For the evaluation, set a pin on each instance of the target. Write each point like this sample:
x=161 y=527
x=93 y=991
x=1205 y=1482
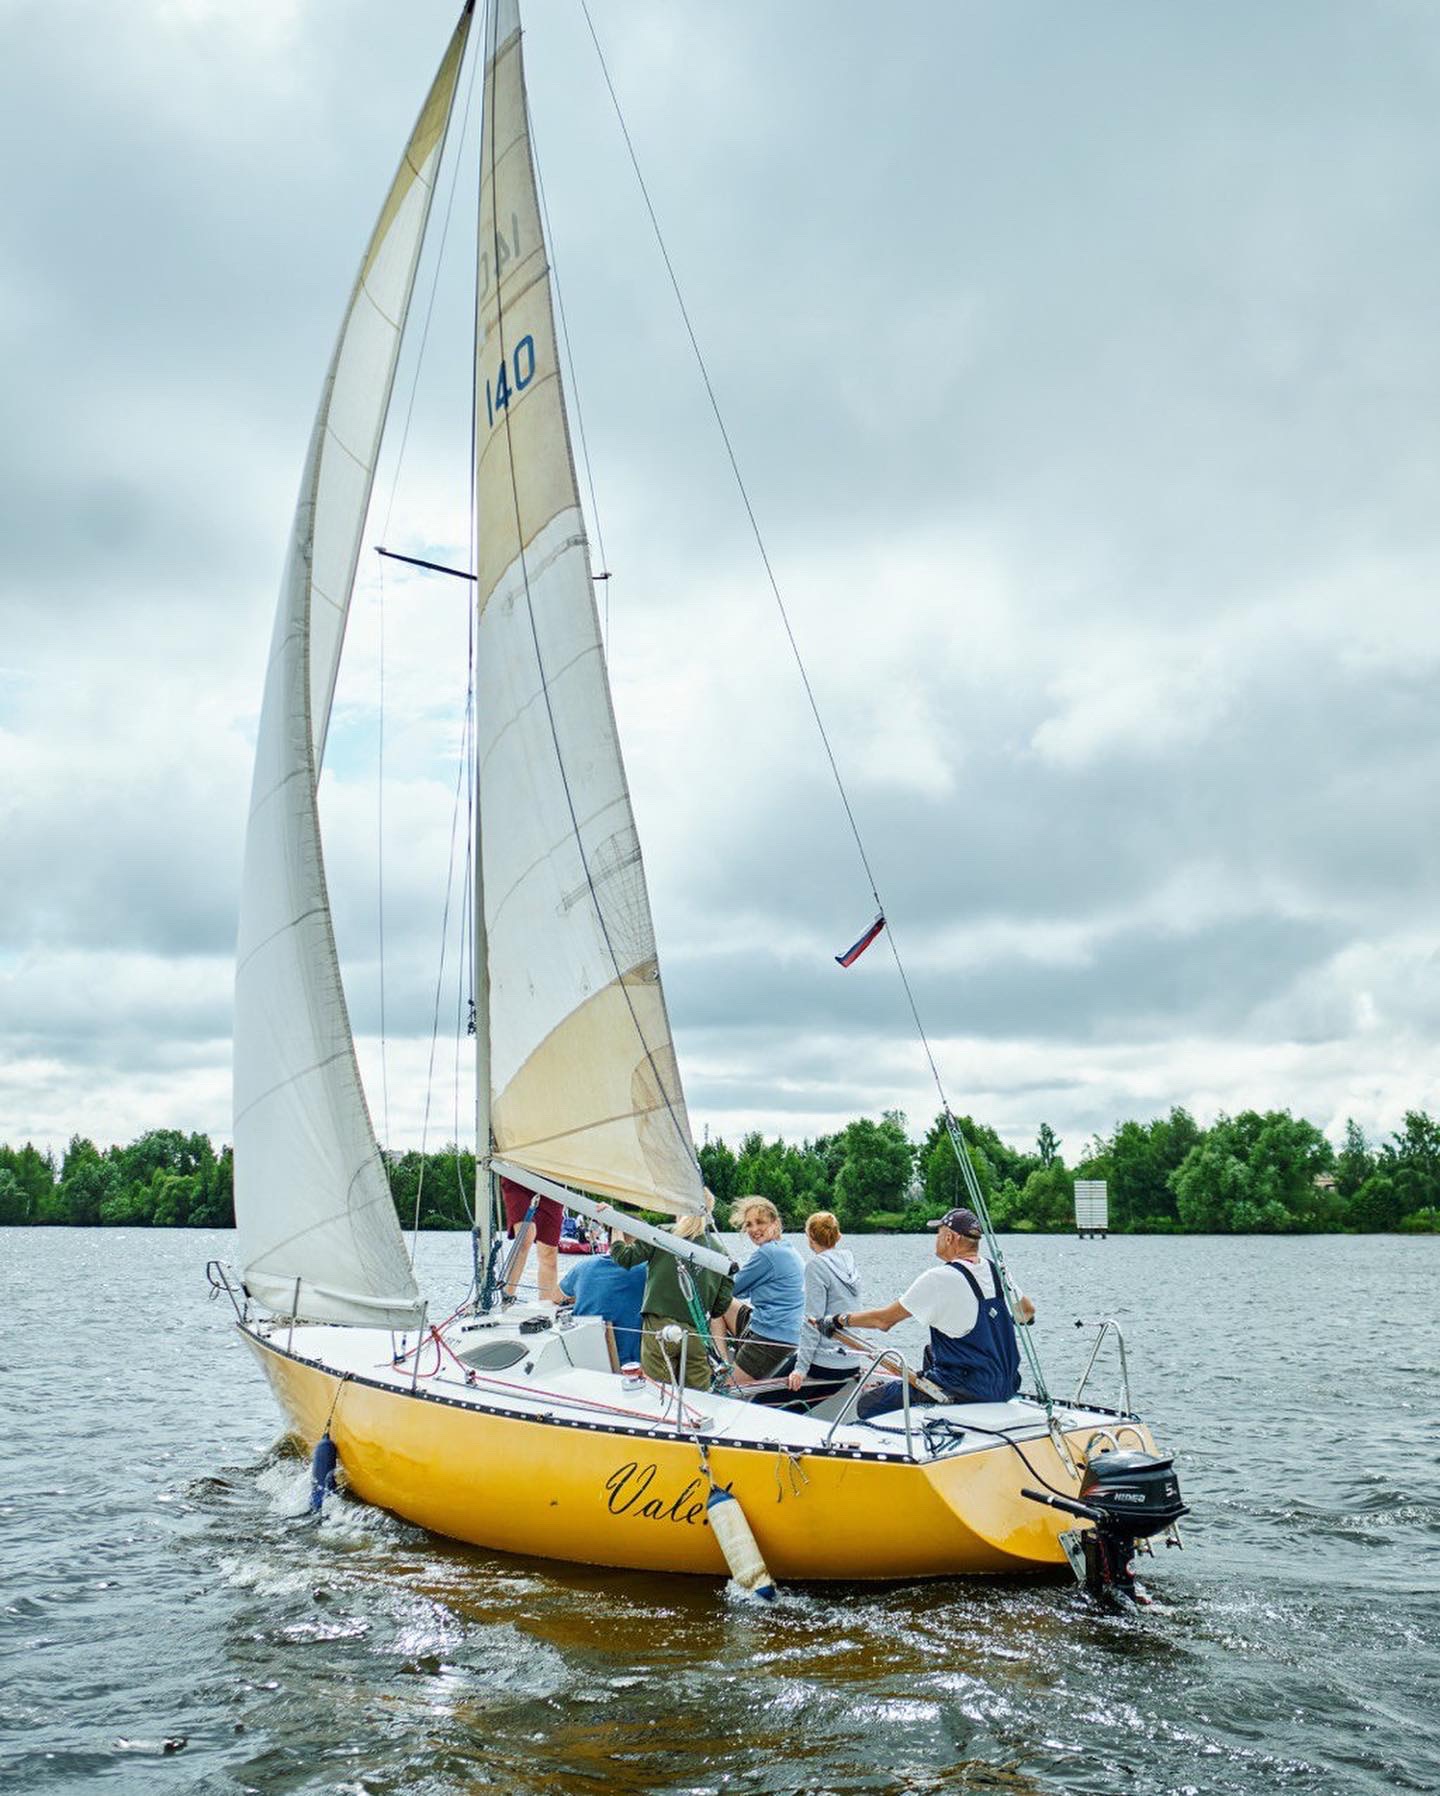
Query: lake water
x=158 y=1584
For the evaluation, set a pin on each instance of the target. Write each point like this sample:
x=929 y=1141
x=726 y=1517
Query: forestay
x=585 y=1087
x=312 y=1201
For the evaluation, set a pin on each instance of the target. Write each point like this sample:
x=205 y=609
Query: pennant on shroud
x=852 y=954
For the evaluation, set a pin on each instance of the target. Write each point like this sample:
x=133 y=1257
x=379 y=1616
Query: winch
x=1128 y=1497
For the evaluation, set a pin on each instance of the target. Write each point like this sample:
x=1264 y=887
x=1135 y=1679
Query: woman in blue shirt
x=770 y=1295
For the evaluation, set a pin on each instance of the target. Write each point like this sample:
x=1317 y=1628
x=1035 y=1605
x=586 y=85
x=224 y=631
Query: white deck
x=564 y=1374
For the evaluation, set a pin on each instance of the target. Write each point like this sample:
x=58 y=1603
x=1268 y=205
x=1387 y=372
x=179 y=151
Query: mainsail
x=585 y=1086
x=312 y=1201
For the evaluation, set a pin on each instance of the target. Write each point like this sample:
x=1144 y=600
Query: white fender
x=737 y=1543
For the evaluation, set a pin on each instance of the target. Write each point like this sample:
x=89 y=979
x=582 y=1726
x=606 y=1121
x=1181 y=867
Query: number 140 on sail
x=512 y=379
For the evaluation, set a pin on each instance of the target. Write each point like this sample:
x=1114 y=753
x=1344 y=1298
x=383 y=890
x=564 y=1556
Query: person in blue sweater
x=600 y=1287
x=770 y=1295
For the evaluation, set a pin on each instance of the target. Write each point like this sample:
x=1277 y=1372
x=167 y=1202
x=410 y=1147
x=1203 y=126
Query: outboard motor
x=1129 y=1497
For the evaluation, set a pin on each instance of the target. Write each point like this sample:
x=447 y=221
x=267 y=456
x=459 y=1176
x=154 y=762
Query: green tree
x=213 y=1206
x=1047 y=1147
x=1354 y=1164
x=812 y=1182
x=1046 y=1201
x=86 y=1180
x=763 y=1171
x=437 y=1188
x=943 y=1177
x=1377 y=1206
x=171 y=1195
x=161 y=1150
x=717 y=1169
x=994 y=1162
x=14 y=1204
x=34 y=1175
x=130 y=1206
x=1138 y=1160
x=1256 y=1173
x=447 y=1193
x=1413 y=1162
x=875 y=1170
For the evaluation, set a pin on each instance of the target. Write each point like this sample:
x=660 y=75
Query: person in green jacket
x=664 y=1302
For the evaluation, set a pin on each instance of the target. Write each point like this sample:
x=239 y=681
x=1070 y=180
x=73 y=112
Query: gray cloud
x=1083 y=371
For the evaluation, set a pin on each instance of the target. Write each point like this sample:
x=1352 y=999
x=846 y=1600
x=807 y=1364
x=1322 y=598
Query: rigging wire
x=570 y=365
x=460 y=781
x=957 y=1138
x=380 y=608
x=380 y=874
x=467 y=929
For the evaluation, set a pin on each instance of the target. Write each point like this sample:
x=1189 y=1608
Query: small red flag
x=852 y=954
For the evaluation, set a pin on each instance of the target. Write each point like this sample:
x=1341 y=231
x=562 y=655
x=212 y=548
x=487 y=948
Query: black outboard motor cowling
x=1137 y=1493
x=1129 y=1497
x=1132 y=1496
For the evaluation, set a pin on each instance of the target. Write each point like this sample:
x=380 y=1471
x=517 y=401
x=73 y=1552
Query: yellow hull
x=602 y=1495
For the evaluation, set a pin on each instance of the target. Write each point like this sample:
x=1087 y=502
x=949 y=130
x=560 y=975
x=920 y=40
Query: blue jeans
x=890 y=1396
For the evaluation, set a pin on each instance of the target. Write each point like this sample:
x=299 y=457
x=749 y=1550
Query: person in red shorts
x=544 y=1229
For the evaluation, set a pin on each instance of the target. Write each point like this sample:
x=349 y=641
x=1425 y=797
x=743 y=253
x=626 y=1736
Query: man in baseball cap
x=962 y=1222
x=973 y=1354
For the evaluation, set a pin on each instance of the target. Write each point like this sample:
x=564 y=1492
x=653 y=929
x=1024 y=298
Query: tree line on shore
x=1253 y=1173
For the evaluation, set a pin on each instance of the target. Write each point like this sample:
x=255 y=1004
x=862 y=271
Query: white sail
x=585 y=1087
x=312 y=1201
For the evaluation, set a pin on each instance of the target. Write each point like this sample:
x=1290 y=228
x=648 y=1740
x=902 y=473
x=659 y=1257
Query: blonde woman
x=772 y=1284
x=664 y=1301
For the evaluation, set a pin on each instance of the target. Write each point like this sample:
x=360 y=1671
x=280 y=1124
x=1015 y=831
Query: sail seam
x=321 y=1222
x=499 y=905
x=529 y=704
x=576 y=540
x=258 y=804
x=515 y=1148
x=395 y=325
x=294 y=1078
x=315 y=910
x=353 y=455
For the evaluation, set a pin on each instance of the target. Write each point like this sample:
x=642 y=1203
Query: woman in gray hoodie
x=831 y=1288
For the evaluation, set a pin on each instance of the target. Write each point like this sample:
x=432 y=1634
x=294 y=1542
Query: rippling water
x=160 y=1583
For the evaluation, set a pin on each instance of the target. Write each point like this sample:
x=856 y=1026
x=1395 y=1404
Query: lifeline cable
x=957 y=1140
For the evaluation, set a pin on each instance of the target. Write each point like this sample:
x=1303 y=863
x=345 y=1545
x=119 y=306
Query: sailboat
x=500 y=1425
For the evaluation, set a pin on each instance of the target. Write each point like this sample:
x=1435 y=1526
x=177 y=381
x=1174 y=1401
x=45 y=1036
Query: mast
x=484 y=1194
x=485 y=1208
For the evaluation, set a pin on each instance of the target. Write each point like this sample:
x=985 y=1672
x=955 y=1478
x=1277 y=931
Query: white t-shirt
x=941 y=1298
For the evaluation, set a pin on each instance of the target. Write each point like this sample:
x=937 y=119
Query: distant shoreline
x=1009 y=1234
x=1256 y=1173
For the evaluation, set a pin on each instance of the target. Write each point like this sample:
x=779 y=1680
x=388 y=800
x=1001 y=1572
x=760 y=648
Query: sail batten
x=585 y=1088
x=312 y=1198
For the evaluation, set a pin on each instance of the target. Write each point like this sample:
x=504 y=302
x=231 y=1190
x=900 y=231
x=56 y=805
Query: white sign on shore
x=1092 y=1207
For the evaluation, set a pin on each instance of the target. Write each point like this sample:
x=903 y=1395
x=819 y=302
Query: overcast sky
x=1082 y=364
